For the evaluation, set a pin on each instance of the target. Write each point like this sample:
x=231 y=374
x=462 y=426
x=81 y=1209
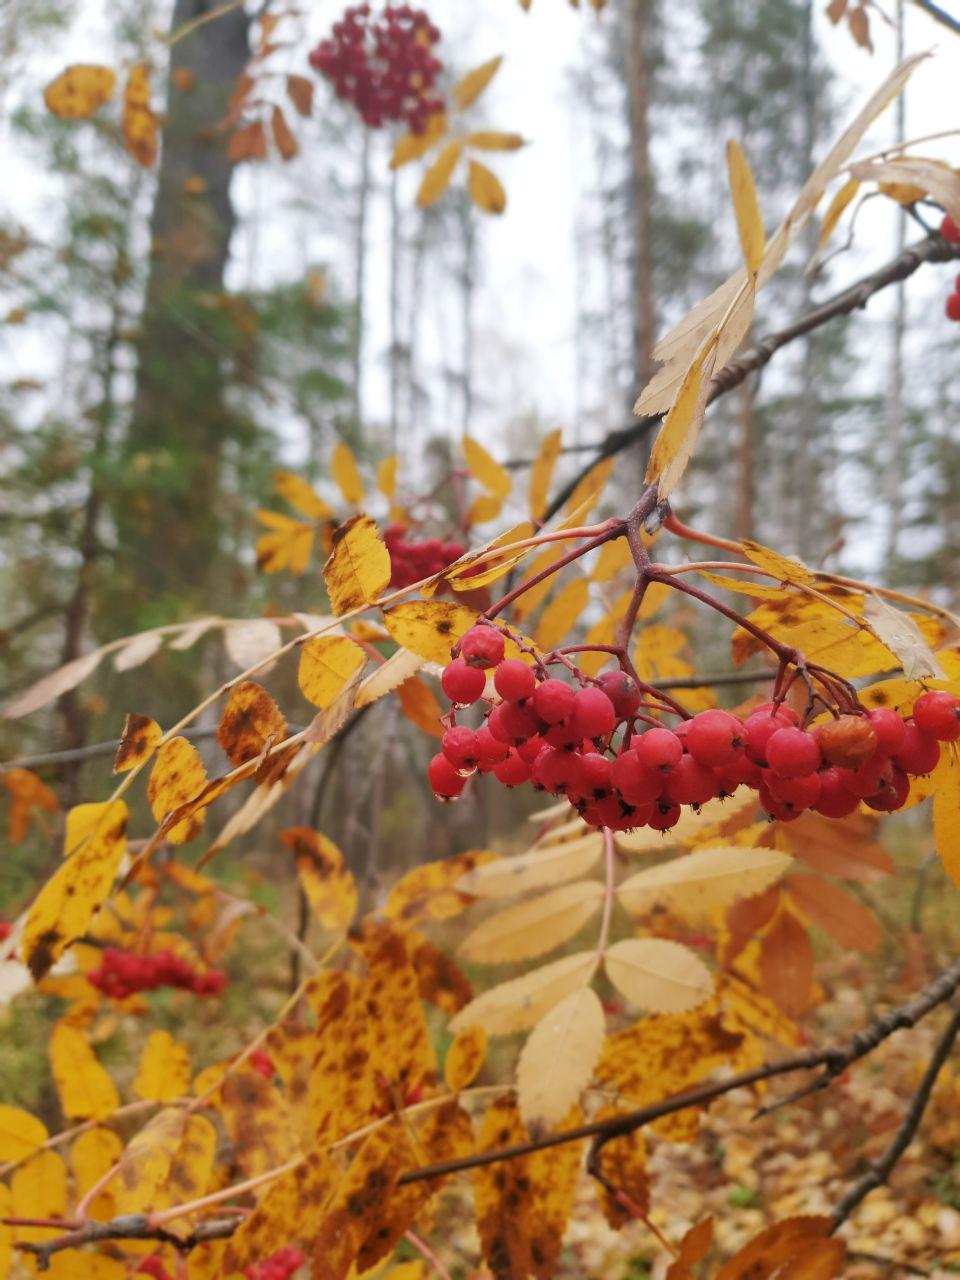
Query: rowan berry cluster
x=411 y=562
x=279 y=1266
x=951 y=233
x=122 y=973
x=383 y=64
x=6 y=928
x=621 y=769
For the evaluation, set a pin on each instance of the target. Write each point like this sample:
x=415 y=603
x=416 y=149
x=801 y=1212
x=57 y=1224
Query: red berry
x=868 y=779
x=463 y=685
x=919 y=753
x=952 y=306
x=519 y=720
x=802 y=792
x=482 y=647
x=889 y=729
x=778 y=809
x=893 y=795
x=595 y=774
x=553 y=701
x=664 y=816
x=759 y=727
x=792 y=753
x=563 y=734
x=593 y=713
x=513 y=771
x=782 y=709
x=491 y=750
x=658 y=749
x=836 y=800
x=635 y=782
x=849 y=741
x=949 y=230
x=690 y=782
x=461 y=748
x=622 y=690
x=514 y=680
x=553 y=770
x=938 y=714
x=444 y=778
x=496 y=726
x=712 y=737
x=530 y=749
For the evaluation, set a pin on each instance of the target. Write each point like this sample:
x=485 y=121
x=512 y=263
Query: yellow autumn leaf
x=414 y=145
x=164 y=1072
x=485 y=507
x=534 y=927
x=327 y=664
x=141 y=130
x=694 y=886
x=95 y=842
x=437 y=178
x=145 y=1165
x=746 y=206
x=541 y=473
x=300 y=495
x=558 y=1059
x=779 y=566
x=80 y=91
x=346 y=474
x=289 y=546
x=38 y=1189
x=677 y=436
x=565 y=609
x=589 y=490
x=485 y=468
x=429 y=628
x=358 y=567
x=469 y=89
x=491 y=140
x=138 y=740
x=326 y=879
x=432 y=891
x=522 y=1002
x=251 y=720
x=21 y=1134
x=657 y=975
x=465 y=1058
x=191 y=1168
x=538 y=868
x=85 y=1090
x=387 y=476
x=178 y=776
x=835 y=211
x=485 y=189
x=92 y=1153
x=946 y=815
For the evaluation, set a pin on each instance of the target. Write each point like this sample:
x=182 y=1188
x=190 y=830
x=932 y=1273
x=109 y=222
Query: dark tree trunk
x=169 y=520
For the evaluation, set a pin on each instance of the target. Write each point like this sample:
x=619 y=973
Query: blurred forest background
x=170 y=336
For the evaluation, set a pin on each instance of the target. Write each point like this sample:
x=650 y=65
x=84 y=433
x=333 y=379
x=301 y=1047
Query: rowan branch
x=930 y=250
x=132 y=1226
x=939 y=15
x=881 y=1168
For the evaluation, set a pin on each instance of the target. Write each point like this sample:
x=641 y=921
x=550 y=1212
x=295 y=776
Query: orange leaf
x=786 y=964
x=300 y=93
x=283 y=137
x=420 y=706
x=140 y=129
x=250 y=720
x=835 y=911
x=469 y=89
x=437 y=178
x=485 y=189
x=27 y=792
x=139 y=738
x=787 y=1242
x=80 y=91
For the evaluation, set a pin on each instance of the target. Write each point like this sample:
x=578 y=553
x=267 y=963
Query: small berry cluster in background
x=122 y=973
x=411 y=562
x=951 y=233
x=595 y=746
x=384 y=65
x=279 y=1266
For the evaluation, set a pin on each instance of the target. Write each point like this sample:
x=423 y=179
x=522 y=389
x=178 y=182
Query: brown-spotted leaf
x=85 y=1089
x=251 y=719
x=326 y=879
x=138 y=741
x=141 y=130
x=429 y=628
x=623 y=1162
x=784 y=1242
x=465 y=1058
x=80 y=91
x=94 y=845
x=341 y=1087
x=402 y=1050
x=145 y=1166
x=290 y=1209
x=257 y=1121
x=442 y=983
x=358 y=568
x=177 y=777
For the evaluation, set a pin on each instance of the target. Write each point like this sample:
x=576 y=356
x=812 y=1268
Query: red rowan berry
x=530 y=749
x=514 y=680
x=482 y=647
x=893 y=795
x=792 y=753
x=938 y=714
x=690 y=782
x=849 y=741
x=491 y=749
x=952 y=306
x=949 y=230
x=461 y=748
x=444 y=778
x=553 y=701
x=919 y=753
x=868 y=779
x=759 y=727
x=889 y=729
x=663 y=816
x=658 y=748
x=518 y=720
x=622 y=690
x=463 y=685
x=836 y=800
x=713 y=737
x=595 y=774
x=513 y=771
x=635 y=782
x=593 y=713
x=802 y=792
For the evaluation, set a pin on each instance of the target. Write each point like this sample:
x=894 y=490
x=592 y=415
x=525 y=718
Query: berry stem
x=609 y=891
x=615 y=530
x=675 y=526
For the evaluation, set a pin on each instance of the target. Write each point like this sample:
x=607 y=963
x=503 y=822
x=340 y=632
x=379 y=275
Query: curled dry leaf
x=400 y=666
x=558 y=1059
x=251 y=644
x=657 y=975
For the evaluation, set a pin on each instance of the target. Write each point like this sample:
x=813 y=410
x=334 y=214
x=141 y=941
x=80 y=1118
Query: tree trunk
x=638 y=86
x=169 y=516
